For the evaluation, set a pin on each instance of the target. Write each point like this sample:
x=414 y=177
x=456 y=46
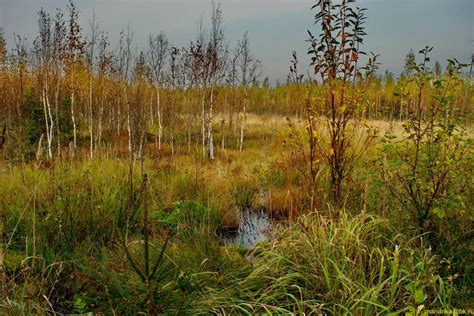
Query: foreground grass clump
x=350 y=265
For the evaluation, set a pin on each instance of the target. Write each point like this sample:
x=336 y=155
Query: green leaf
x=439 y=212
x=80 y=305
x=420 y=296
x=410 y=287
x=387 y=147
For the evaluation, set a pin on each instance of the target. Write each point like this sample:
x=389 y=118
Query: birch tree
x=217 y=55
x=200 y=74
x=122 y=64
x=59 y=50
x=20 y=68
x=173 y=79
x=104 y=65
x=94 y=29
x=233 y=80
x=43 y=48
x=137 y=117
x=156 y=58
x=249 y=72
x=74 y=52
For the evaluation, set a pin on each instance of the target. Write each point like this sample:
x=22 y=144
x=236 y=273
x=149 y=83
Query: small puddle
x=253 y=228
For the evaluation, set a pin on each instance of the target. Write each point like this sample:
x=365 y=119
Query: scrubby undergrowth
x=64 y=251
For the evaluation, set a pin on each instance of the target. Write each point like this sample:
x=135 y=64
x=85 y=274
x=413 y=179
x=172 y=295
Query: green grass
x=352 y=265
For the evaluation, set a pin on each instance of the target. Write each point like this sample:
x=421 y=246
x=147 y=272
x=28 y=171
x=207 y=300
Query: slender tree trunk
x=56 y=105
x=223 y=122
x=73 y=118
x=222 y=131
x=231 y=112
x=129 y=127
x=210 y=132
x=172 y=123
x=468 y=89
x=91 y=122
x=20 y=107
x=48 y=121
x=152 y=113
x=401 y=110
x=189 y=135
x=51 y=128
x=116 y=115
x=203 y=123
x=160 y=126
x=39 y=150
x=242 y=126
x=99 y=127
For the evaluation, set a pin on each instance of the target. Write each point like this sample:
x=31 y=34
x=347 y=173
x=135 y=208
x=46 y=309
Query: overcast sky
x=276 y=27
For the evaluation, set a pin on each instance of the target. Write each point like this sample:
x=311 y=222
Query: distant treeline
x=66 y=90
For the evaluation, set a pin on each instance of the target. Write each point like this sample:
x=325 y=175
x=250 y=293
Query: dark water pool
x=253 y=228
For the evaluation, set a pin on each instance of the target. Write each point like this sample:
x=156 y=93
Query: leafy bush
x=425 y=168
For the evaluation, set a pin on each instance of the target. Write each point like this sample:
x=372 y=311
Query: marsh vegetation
x=176 y=180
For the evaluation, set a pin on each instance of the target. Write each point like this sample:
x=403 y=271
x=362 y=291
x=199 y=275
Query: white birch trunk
x=152 y=113
x=160 y=126
x=129 y=128
x=203 y=125
x=73 y=118
x=210 y=132
x=51 y=128
x=48 y=121
x=39 y=150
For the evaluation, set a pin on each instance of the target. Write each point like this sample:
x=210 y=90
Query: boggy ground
x=65 y=224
